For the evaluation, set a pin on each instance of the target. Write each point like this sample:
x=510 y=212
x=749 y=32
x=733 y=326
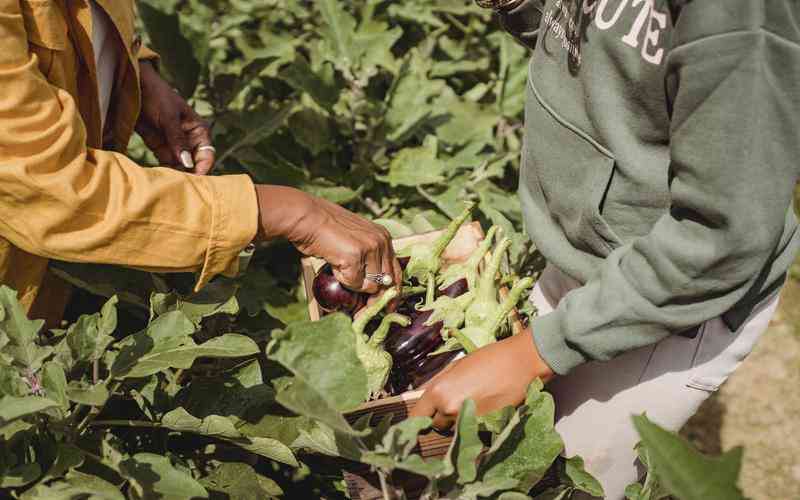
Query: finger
x=350 y=275
x=178 y=141
x=204 y=161
x=425 y=407
x=374 y=260
x=155 y=142
x=199 y=132
x=442 y=423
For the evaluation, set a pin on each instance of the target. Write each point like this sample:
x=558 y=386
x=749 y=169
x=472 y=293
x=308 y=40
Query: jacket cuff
x=234 y=222
x=552 y=345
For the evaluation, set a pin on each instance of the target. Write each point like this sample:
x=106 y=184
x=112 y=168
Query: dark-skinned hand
x=171 y=128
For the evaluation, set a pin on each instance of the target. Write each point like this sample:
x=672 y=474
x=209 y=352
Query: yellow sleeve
x=62 y=200
x=147 y=54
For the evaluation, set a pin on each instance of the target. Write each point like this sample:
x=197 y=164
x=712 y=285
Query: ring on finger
x=380 y=278
x=206 y=147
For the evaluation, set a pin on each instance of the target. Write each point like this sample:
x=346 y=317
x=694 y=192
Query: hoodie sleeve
x=734 y=149
x=522 y=21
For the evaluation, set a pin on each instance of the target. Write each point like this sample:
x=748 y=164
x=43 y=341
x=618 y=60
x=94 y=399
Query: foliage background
x=397 y=110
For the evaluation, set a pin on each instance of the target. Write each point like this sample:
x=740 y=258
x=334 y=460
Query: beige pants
x=668 y=380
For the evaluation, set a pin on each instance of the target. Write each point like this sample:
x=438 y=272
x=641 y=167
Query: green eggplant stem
x=450 y=232
x=465 y=342
x=373 y=310
x=380 y=334
x=509 y=303
x=486 y=287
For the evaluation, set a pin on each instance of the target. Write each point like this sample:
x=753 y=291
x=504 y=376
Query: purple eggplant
x=332 y=296
x=456 y=289
x=408 y=344
x=421 y=371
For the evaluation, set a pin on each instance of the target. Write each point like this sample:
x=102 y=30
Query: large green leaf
x=221 y=427
x=685 y=472
x=466 y=446
x=416 y=166
x=178 y=56
x=90 y=336
x=238 y=481
x=21 y=333
x=153 y=477
x=76 y=485
x=13 y=408
x=166 y=343
x=529 y=445
x=322 y=355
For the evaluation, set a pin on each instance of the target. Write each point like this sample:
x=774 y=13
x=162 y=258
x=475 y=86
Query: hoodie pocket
x=573 y=172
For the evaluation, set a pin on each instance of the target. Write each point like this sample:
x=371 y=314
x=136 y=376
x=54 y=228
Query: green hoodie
x=662 y=149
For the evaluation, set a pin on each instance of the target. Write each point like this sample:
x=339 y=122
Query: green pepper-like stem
x=486 y=288
x=450 y=232
x=509 y=303
x=465 y=342
x=380 y=334
x=469 y=268
x=373 y=310
x=430 y=293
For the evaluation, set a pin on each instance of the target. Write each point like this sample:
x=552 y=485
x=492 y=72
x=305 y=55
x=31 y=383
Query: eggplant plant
x=485 y=303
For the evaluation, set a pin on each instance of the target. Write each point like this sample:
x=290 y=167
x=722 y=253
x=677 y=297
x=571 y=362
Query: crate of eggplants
x=433 y=297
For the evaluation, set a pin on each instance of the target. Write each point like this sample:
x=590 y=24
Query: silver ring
x=207 y=148
x=381 y=278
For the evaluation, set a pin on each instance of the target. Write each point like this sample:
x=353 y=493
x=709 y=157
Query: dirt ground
x=759 y=408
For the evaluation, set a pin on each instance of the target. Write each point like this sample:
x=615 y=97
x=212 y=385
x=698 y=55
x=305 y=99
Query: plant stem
x=388 y=492
x=372 y=310
x=380 y=334
x=95 y=410
x=125 y=423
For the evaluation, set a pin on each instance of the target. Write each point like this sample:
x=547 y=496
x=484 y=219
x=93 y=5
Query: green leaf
x=154 y=477
x=11 y=383
x=239 y=481
x=89 y=337
x=685 y=472
x=221 y=427
x=54 y=383
x=178 y=58
x=218 y=297
x=75 y=485
x=21 y=333
x=87 y=394
x=576 y=475
x=166 y=343
x=322 y=356
x=338 y=43
x=529 y=444
x=13 y=408
x=466 y=446
x=416 y=166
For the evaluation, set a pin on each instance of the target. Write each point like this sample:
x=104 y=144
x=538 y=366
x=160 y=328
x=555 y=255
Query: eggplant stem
x=450 y=232
x=465 y=342
x=373 y=310
x=430 y=292
x=380 y=334
x=486 y=286
x=509 y=303
x=470 y=267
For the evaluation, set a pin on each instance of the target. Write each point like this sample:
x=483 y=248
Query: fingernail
x=186 y=159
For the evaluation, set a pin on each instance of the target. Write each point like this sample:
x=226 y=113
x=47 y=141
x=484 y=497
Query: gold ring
x=380 y=278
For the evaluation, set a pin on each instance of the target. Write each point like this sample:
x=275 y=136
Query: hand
x=494 y=376
x=352 y=245
x=171 y=128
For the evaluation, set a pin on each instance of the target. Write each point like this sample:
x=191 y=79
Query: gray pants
x=668 y=380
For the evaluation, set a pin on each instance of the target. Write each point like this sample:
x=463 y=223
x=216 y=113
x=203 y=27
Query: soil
x=759 y=408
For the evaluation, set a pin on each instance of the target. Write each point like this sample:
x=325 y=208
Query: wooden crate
x=361 y=483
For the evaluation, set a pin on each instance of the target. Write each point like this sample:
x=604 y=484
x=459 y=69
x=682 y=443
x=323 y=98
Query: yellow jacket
x=64 y=197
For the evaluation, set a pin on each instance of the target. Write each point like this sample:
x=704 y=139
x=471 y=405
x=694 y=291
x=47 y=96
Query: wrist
x=280 y=211
x=525 y=348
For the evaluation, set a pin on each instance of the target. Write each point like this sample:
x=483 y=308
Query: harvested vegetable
x=377 y=362
x=457 y=273
x=485 y=304
x=332 y=296
x=425 y=259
